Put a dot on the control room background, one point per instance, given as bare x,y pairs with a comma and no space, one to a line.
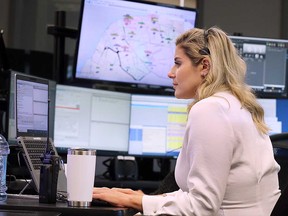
25,23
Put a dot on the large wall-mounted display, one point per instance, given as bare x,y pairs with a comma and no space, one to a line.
129,42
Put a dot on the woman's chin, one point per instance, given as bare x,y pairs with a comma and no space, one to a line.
178,95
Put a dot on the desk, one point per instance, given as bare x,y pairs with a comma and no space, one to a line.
60,208
27,213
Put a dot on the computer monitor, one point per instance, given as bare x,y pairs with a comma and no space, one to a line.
129,44
267,64
33,92
91,118
157,125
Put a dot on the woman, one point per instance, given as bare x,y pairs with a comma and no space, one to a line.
226,165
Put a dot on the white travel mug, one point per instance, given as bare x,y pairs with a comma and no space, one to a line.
81,165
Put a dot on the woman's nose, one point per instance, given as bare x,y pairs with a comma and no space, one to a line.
171,73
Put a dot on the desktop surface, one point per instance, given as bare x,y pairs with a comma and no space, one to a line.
27,213
20,204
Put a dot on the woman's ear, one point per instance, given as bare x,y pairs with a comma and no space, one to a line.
206,67
206,64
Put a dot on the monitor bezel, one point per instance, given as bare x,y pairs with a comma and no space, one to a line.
125,86
106,153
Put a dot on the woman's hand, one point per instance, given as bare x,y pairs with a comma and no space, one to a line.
120,197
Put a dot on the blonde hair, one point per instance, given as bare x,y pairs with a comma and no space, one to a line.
227,69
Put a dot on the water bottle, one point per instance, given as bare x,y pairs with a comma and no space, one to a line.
4,151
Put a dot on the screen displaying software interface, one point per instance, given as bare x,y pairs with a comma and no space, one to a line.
12,135
267,64
31,106
157,125
129,41
91,118
146,125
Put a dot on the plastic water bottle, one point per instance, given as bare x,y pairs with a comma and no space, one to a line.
4,151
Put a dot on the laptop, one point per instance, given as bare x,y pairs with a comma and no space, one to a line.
32,123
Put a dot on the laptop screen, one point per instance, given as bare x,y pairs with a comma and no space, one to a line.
31,104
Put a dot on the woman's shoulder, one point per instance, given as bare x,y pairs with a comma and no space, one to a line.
212,109
221,101
221,98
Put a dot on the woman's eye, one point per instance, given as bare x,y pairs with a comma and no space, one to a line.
177,63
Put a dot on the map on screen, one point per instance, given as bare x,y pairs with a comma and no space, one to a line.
129,42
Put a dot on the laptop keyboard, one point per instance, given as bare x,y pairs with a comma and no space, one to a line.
35,149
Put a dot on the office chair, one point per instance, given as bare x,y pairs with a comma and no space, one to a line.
280,146
279,140
281,207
